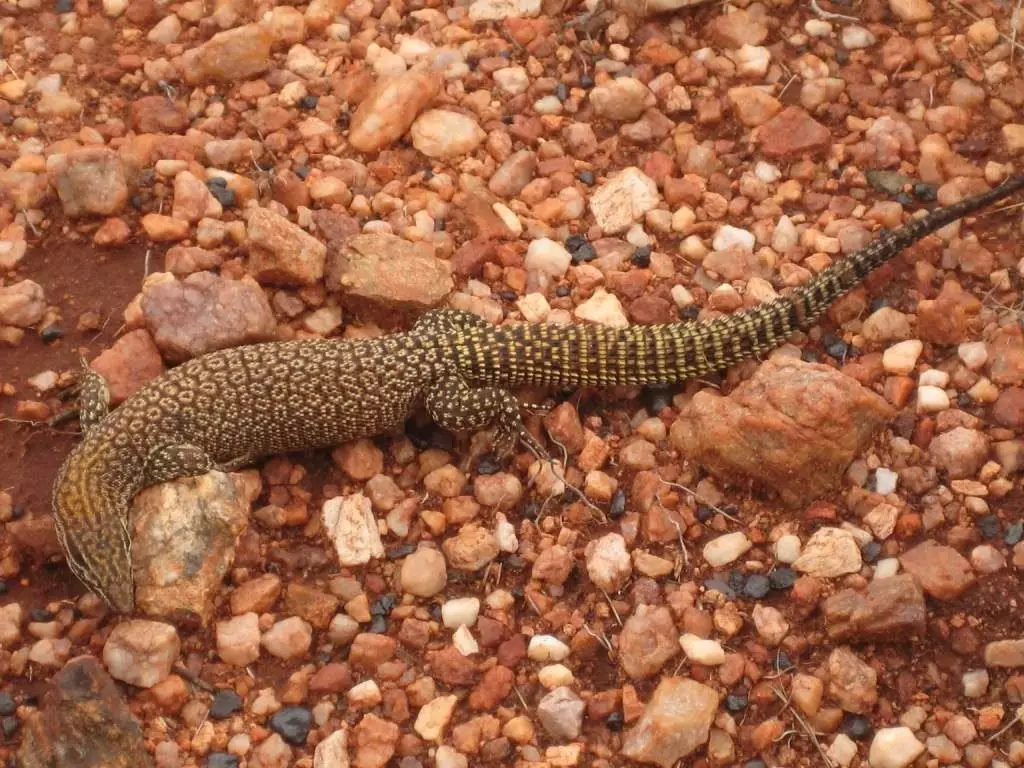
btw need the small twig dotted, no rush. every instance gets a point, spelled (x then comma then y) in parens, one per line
(611, 605)
(30, 223)
(520, 697)
(1019, 718)
(602, 639)
(1014, 21)
(829, 15)
(182, 671)
(786, 86)
(145, 266)
(976, 17)
(694, 494)
(804, 725)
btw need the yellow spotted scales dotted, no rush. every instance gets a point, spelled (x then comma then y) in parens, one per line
(226, 409)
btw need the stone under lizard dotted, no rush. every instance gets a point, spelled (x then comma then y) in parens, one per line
(226, 409)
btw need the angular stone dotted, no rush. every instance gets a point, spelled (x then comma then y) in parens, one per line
(390, 108)
(22, 304)
(942, 571)
(623, 199)
(444, 133)
(561, 714)
(203, 313)
(389, 270)
(90, 182)
(647, 641)
(794, 426)
(793, 133)
(230, 56)
(85, 715)
(830, 552)
(852, 683)
(675, 723)
(282, 253)
(132, 361)
(141, 652)
(185, 535)
(894, 748)
(888, 610)
(350, 523)
(1005, 653)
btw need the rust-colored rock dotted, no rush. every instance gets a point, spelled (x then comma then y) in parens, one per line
(793, 133)
(889, 610)
(390, 271)
(794, 427)
(942, 571)
(83, 715)
(132, 361)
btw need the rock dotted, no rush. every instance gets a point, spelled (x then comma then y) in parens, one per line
(158, 114)
(960, 452)
(424, 573)
(608, 563)
(852, 682)
(164, 229)
(442, 133)
(492, 689)
(1005, 653)
(648, 640)
(83, 714)
(699, 650)
(829, 553)
(514, 173)
(793, 426)
(256, 595)
(272, 752)
(471, 549)
(141, 652)
(203, 313)
(132, 361)
(281, 253)
(726, 549)
(375, 741)
(349, 521)
(461, 611)
(288, 639)
(311, 604)
(434, 716)
(792, 133)
(911, 10)
(623, 199)
(894, 748)
(238, 640)
(496, 10)
(889, 610)
(675, 723)
(901, 359)
(369, 651)
(389, 270)
(22, 304)
(234, 55)
(89, 182)
(361, 460)
(602, 308)
(184, 542)
(390, 108)
(547, 648)
(561, 714)
(770, 624)
(623, 99)
(736, 29)
(292, 723)
(193, 200)
(547, 257)
(332, 752)
(753, 106)
(942, 571)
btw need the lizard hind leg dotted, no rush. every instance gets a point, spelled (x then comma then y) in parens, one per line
(456, 406)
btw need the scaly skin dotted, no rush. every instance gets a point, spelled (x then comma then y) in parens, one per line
(228, 408)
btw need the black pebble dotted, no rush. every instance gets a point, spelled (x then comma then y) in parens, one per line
(989, 526)
(614, 722)
(618, 506)
(810, 356)
(704, 513)
(488, 465)
(580, 249)
(736, 581)
(562, 291)
(51, 333)
(642, 256)
(782, 662)
(925, 192)
(9, 725)
(225, 702)
(757, 586)
(3, 587)
(293, 723)
(7, 705)
(308, 102)
(736, 702)
(782, 578)
(904, 199)
(40, 615)
(302, 172)
(586, 177)
(402, 550)
(856, 726)
(586, 81)
(64, 6)
(870, 551)
(221, 760)
(224, 196)
(18, 511)
(562, 91)
(719, 585)
(508, 295)
(379, 625)
(1014, 534)
(754, 764)
(383, 605)
(877, 303)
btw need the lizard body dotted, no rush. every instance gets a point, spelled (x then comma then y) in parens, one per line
(226, 409)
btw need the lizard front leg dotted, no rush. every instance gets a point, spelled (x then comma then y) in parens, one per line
(93, 398)
(456, 406)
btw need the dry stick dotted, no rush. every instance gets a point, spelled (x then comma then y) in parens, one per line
(803, 724)
(602, 639)
(976, 17)
(829, 15)
(1014, 23)
(182, 671)
(612, 606)
(693, 493)
(1018, 719)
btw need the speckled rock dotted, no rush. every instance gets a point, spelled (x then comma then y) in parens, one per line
(234, 55)
(90, 182)
(390, 271)
(390, 108)
(281, 253)
(888, 610)
(675, 723)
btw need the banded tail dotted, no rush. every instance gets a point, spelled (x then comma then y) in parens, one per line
(599, 356)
